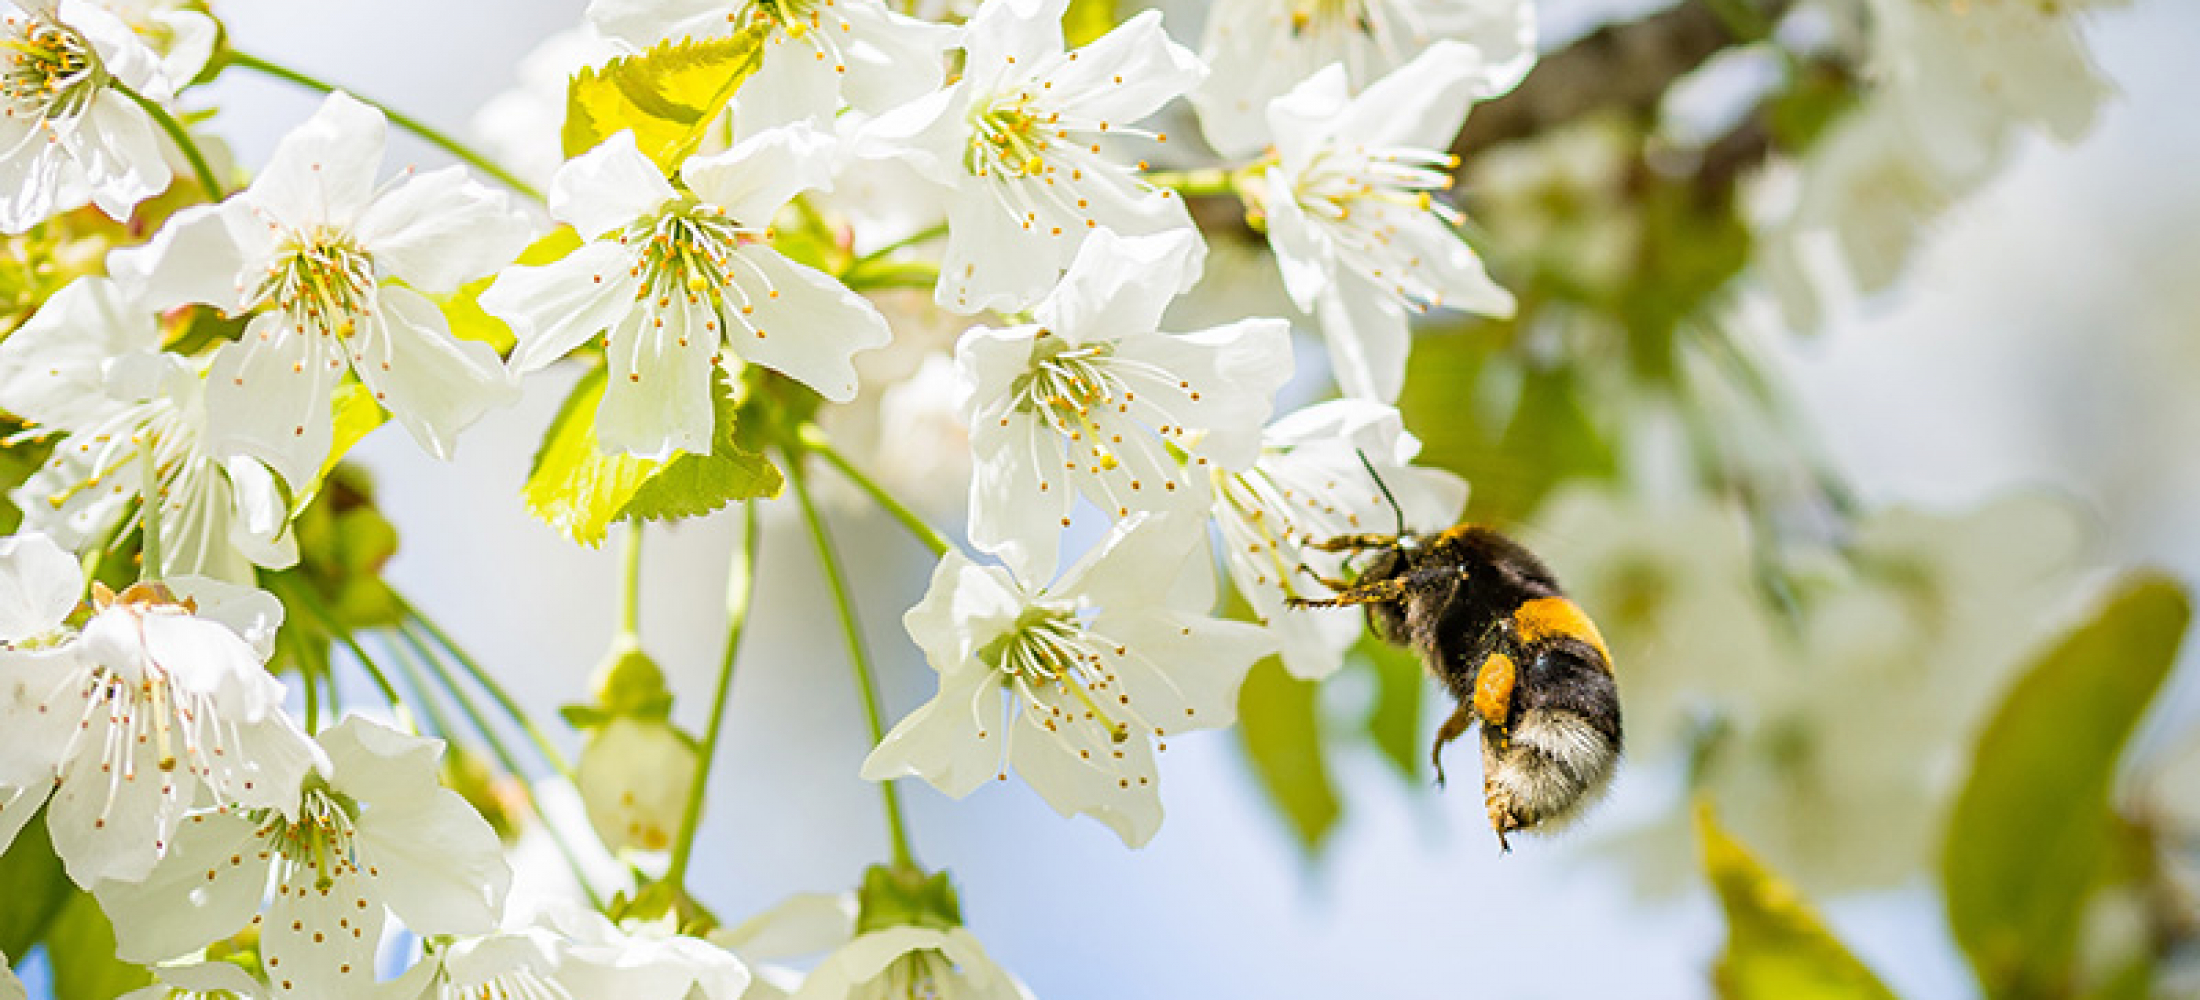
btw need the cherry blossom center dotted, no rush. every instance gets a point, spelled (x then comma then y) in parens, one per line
(52, 71)
(321, 279)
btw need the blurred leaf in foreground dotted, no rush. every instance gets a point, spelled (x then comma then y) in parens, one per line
(2033, 830)
(1776, 947)
(1281, 728)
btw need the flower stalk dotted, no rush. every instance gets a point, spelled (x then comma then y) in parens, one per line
(740, 587)
(858, 657)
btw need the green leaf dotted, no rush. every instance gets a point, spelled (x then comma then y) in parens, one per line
(462, 309)
(574, 488)
(81, 947)
(2033, 830)
(1394, 724)
(694, 485)
(1776, 947)
(1282, 735)
(37, 888)
(1086, 20)
(668, 95)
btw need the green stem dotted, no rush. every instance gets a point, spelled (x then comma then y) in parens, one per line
(312, 684)
(503, 698)
(814, 439)
(302, 597)
(178, 134)
(427, 664)
(402, 120)
(740, 583)
(630, 598)
(149, 567)
(896, 829)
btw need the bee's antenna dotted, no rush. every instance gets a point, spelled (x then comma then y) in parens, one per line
(1385, 487)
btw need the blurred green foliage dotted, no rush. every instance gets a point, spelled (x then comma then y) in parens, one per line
(1777, 948)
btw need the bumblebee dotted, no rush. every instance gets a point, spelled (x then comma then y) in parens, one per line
(1490, 622)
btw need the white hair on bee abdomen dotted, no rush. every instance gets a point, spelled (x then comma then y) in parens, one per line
(1556, 764)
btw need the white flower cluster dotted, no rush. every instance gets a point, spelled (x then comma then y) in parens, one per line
(196, 393)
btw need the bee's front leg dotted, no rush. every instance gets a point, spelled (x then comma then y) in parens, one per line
(1375, 592)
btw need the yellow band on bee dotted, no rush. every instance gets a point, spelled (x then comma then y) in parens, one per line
(1548, 617)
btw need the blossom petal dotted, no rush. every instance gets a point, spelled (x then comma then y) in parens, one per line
(42, 700)
(965, 606)
(441, 229)
(1234, 372)
(195, 256)
(955, 741)
(322, 172)
(760, 173)
(1128, 73)
(17, 806)
(441, 867)
(1420, 104)
(992, 260)
(807, 325)
(1079, 767)
(112, 814)
(1119, 283)
(608, 187)
(558, 306)
(268, 396)
(1019, 497)
(120, 153)
(39, 586)
(1133, 565)
(318, 940)
(1368, 337)
(658, 397)
(432, 382)
(1304, 253)
(1182, 671)
(53, 367)
(207, 888)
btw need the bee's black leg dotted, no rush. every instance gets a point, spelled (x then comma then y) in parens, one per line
(1452, 729)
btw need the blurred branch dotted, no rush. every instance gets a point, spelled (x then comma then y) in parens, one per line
(1623, 67)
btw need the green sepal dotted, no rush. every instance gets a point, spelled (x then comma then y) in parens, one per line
(668, 95)
(1777, 948)
(906, 897)
(628, 682)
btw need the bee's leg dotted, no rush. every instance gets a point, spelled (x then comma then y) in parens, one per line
(1354, 543)
(1501, 814)
(1453, 728)
(1339, 586)
(1360, 593)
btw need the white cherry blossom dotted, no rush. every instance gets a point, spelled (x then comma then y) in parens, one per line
(634, 777)
(89, 365)
(817, 52)
(893, 963)
(673, 281)
(561, 952)
(1310, 485)
(1260, 49)
(370, 829)
(337, 270)
(1090, 399)
(161, 697)
(1351, 214)
(68, 136)
(1074, 683)
(1018, 141)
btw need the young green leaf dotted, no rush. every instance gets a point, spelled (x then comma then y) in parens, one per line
(1282, 734)
(37, 888)
(1776, 947)
(574, 488)
(2033, 828)
(668, 95)
(694, 485)
(81, 947)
